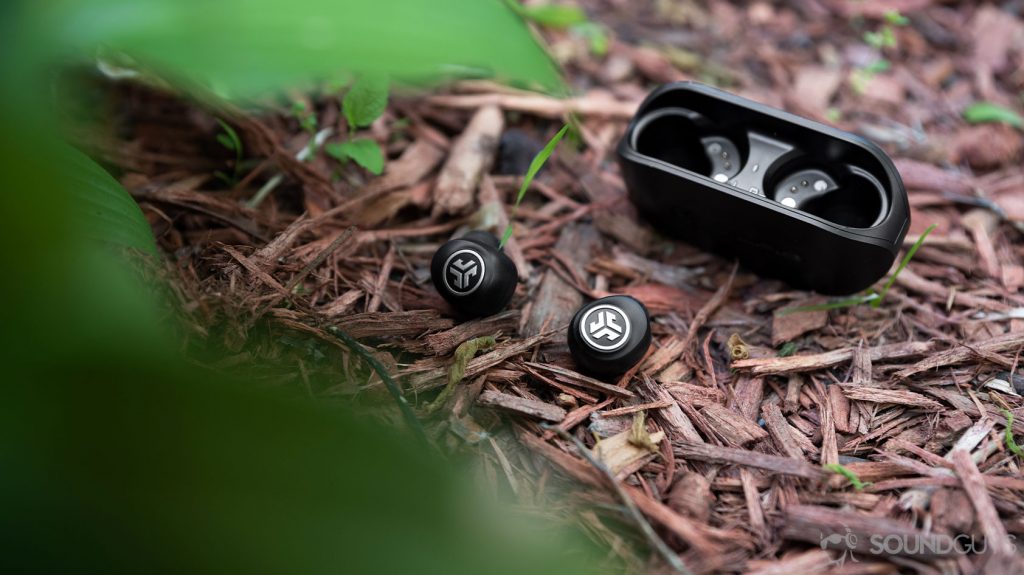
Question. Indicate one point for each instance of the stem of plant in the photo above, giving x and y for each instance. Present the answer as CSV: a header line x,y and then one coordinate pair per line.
x,y
538,162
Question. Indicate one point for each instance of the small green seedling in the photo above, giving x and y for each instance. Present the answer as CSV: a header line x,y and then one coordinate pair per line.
x,y
1010,443
987,112
364,102
861,77
872,297
881,39
538,162
230,140
849,475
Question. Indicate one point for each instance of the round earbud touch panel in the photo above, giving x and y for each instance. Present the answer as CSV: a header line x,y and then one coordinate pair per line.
x,y
605,328
464,271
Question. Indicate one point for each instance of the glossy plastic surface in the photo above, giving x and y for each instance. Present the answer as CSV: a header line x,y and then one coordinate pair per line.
x,y
610,335
474,275
789,197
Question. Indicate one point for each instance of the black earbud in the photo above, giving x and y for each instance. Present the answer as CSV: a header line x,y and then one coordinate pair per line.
x,y
474,275
610,335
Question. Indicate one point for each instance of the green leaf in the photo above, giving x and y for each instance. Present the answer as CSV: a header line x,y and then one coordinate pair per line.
x,y
896,19
366,100
985,112
878,66
903,264
242,49
538,162
104,210
554,15
363,151
874,39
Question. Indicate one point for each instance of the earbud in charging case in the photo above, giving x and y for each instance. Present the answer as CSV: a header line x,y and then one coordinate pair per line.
x,y
791,198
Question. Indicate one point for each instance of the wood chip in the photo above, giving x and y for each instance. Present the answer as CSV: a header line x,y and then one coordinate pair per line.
x,y
471,157
996,537
732,426
890,396
521,406
798,363
743,457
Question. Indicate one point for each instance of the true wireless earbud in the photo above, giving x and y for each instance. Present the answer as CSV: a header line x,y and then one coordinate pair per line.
x,y
474,275
610,335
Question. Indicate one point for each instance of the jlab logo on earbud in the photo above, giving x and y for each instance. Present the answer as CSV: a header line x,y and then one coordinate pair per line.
x,y
464,272
605,328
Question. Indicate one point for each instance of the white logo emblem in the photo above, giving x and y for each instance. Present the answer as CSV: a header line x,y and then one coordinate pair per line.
x,y
605,328
464,272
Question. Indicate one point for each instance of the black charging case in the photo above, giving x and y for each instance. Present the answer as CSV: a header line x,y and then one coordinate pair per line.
x,y
790,198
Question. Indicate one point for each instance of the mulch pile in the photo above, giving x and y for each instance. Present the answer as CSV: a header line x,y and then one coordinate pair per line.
x,y
720,439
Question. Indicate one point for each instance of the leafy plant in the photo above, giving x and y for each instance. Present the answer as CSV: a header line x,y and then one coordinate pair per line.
x,y
364,102
985,112
230,140
872,297
272,45
538,162
72,347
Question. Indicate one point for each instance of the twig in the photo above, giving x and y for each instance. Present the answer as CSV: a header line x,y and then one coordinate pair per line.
x,y
670,557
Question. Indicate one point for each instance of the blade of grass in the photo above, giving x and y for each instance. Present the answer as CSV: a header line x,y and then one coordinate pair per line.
x,y
903,264
538,162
